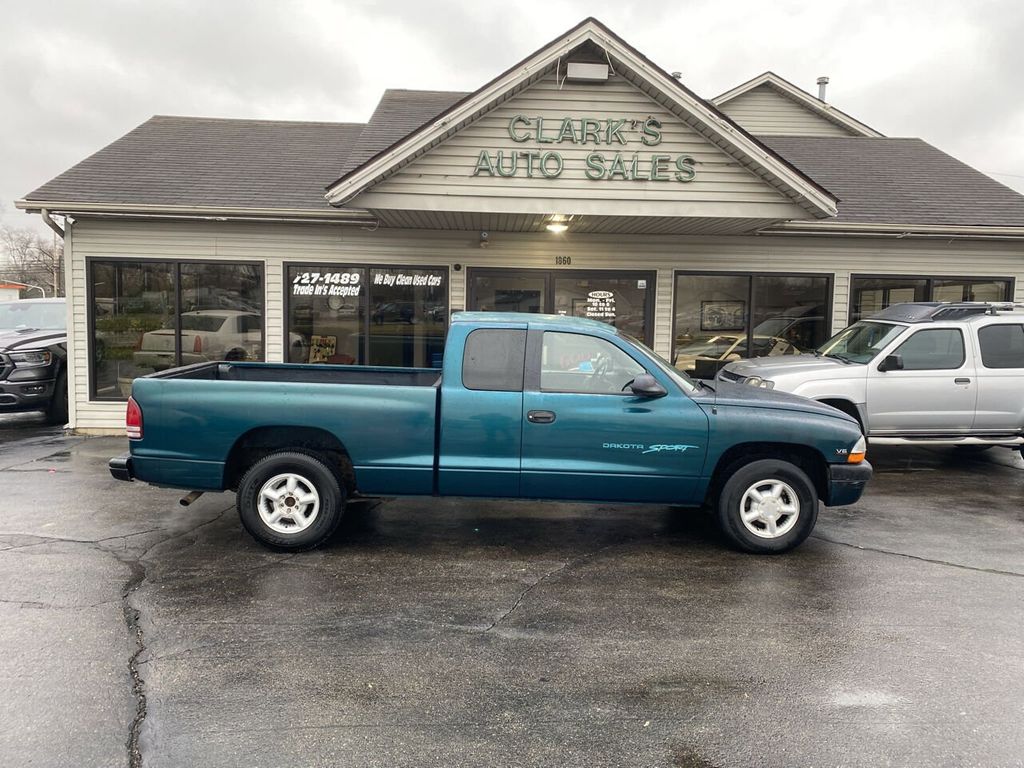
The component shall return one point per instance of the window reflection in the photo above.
(722, 318)
(870, 295)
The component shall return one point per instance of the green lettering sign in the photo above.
(483, 164)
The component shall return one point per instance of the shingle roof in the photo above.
(286, 165)
(398, 114)
(900, 181)
(211, 162)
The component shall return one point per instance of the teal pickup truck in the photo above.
(524, 407)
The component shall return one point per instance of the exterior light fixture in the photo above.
(558, 223)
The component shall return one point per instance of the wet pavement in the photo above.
(482, 633)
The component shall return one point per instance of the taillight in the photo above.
(133, 420)
(197, 345)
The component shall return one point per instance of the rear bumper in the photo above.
(846, 483)
(121, 467)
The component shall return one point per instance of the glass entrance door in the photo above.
(624, 300)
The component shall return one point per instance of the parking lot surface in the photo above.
(484, 633)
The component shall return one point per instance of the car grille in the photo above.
(725, 375)
(6, 366)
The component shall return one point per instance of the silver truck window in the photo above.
(933, 349)
(1002, 346)
(861, 342)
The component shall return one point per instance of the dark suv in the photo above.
(33, 357)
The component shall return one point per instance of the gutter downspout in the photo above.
(48, 221)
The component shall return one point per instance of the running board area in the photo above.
(1009, 441)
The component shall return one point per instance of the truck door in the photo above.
(481, 434)
(934, 392)
(586, 436)
(1000, 375)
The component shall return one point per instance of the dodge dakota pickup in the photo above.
(524, 406)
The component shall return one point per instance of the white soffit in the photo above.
(625, 60)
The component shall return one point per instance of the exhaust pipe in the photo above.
(186, 500)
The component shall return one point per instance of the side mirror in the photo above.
(891, 363)
(646, 385)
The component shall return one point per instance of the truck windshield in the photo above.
(861, 342)
(39, 316)
(685, 382)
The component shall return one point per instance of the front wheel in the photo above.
(767, 506)
(290, 501)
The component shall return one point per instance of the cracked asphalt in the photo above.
(482, 633)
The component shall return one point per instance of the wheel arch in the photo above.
(258, 442)
(810, 460)
(848, 407)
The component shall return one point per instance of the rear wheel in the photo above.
(767, 506)
(290, 501)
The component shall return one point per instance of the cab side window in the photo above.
(1002, 346)
(494, 360)
(573, 362)
(936, 349)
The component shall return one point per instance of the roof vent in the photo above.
(677, 75)
(581, 72)
(822, 82)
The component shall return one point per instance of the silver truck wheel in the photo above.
(767, 506)
(770, 509)
(291, 500)
(288, 503)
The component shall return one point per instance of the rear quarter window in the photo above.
(494, 360)
(1002, 346)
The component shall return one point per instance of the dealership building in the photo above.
(584, 180)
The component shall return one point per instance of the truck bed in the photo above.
(194, 415)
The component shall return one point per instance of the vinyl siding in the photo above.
(443, 180)
(764, 111)
(273, 245)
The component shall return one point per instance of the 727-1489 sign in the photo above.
(606, 164)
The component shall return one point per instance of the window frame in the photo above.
(549, 275)
(929, 285)
(175, 264)
(537, 384)
(919, 331)
(522, 381)
(830, 291)
(367, 266)
(981, 347)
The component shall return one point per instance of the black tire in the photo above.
(317, 475)
(731, 502)
(57, 410)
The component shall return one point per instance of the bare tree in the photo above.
(31, 258)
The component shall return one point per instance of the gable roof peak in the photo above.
(797, 94)
(623, 59)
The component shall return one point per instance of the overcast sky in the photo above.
(76, 75)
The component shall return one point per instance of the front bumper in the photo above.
(846, 483)
(26, 395)
(121, 467)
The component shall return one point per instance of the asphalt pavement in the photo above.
(481, 633)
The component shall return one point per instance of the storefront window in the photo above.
(721, 318)
(621, 299)
(359, 315)
(869, 295)
(149, 316)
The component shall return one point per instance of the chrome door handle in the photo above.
(961, 381)
(540, 417)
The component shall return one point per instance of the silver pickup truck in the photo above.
(921, 373)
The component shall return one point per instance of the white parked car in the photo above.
(921, 373)
(206, 334)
